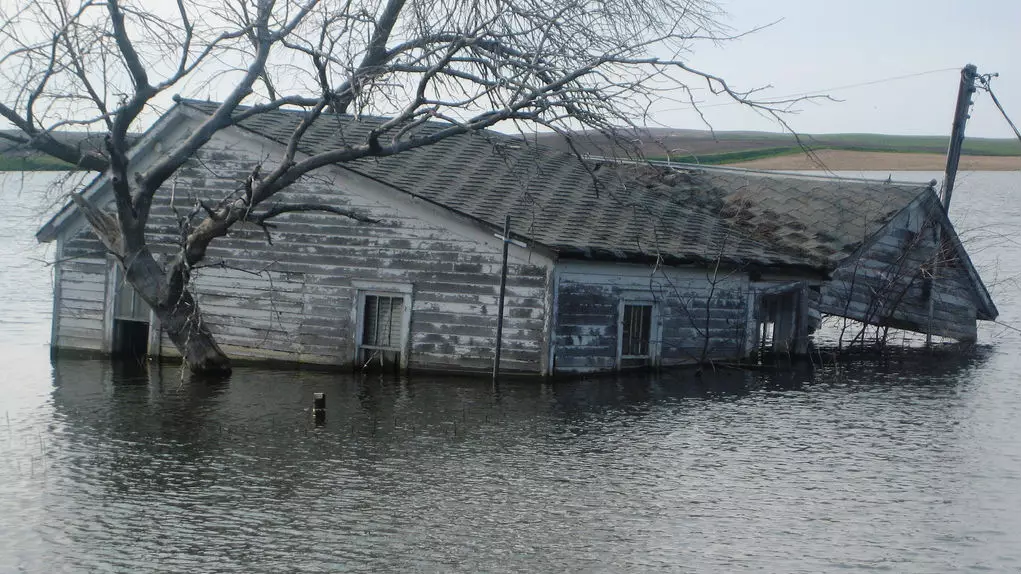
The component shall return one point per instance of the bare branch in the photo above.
(131, 57)
(283, 208)
(438, 70)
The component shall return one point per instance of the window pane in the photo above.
(369, 332)
(637, 330)
(127, 304)
(382, 321)
(393, 331)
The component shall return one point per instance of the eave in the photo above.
(52, 228)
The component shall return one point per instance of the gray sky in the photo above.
(824, 44)
(908, 53)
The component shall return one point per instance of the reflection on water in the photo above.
(911, 464)
(795, 471)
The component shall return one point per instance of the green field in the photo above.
(916, 144)
(732, 147)
(32, 163)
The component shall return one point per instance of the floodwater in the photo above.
(906, 465)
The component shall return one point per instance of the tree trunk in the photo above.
(184, 324)
(178, 312)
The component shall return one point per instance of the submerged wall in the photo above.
(692, 319)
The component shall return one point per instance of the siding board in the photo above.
(80, 297)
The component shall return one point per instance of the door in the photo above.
(129, 320)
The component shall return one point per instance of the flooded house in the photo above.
(610, 265)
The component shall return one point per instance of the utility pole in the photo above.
(507, 241)
(964, 92)
(967, 87)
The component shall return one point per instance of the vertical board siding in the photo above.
(690, 313)
(889, 283)
(293, 299)
(82, 293)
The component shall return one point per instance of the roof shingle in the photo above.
(601, 209)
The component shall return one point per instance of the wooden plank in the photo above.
(85, 341)
(81, 332)
(90, 285)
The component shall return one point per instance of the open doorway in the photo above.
(129, 336)
(778, 323)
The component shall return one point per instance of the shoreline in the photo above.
(844, 160)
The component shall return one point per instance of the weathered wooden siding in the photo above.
(889, 282)
(688, 306)
(294, 300)
(81, 294)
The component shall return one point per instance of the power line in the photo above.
(869, 83)
(824, 91)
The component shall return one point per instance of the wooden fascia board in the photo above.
(811, 275)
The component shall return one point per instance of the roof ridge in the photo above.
(786, 174)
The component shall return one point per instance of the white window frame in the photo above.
(655, 328)
(364, 289)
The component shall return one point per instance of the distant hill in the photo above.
(680, 145)
(741, 146)
(19, 157)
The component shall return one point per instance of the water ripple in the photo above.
(905, 466)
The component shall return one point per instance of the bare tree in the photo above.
(109, 67)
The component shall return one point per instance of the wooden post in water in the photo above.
(319, 408)
(964, 91)
(503, 293)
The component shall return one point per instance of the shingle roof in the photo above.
(605, 210)
(827, 218)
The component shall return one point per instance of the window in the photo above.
(381, 319)
(128, 306)
(636, 331)
(381, 322)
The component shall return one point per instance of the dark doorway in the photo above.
(130, 336)
(130, 339)
(782, 328)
